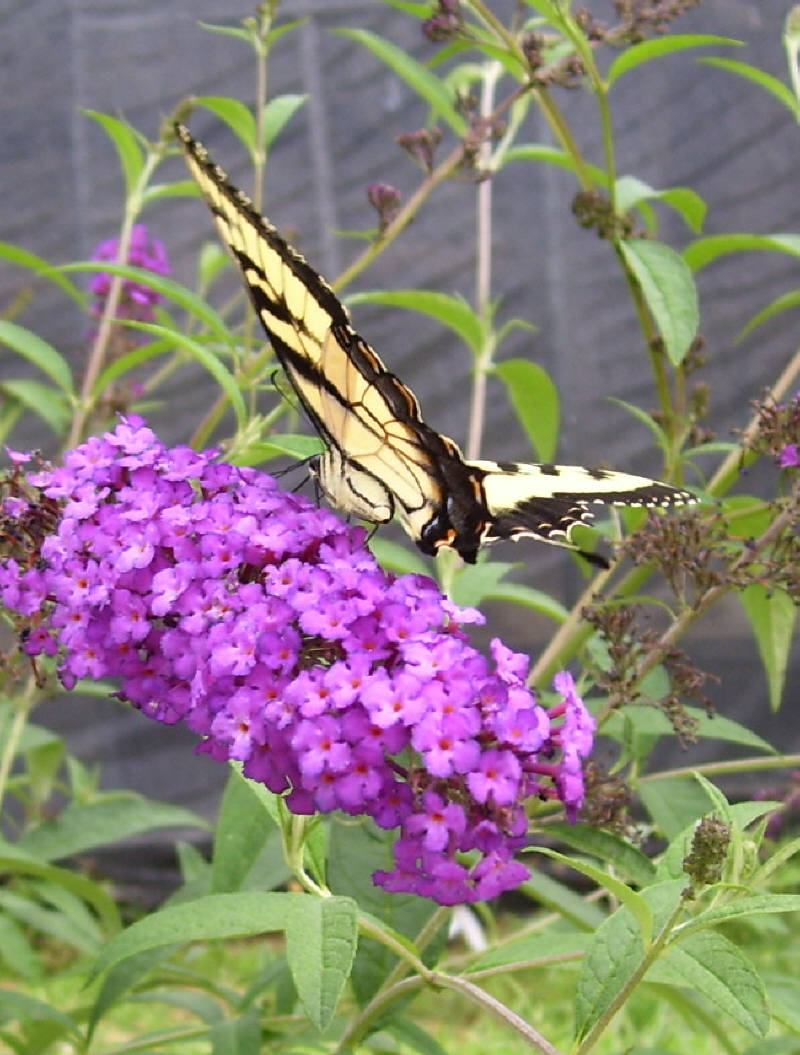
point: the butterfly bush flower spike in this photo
(265, 625)
(137, 300)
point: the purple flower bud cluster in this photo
(266, 626)
(137, 301)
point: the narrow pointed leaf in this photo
(126, 143)
(235, 115)
(785, 302)
(45, 402)
(169, 288)
(535, 400)
(39, 352)
(277, 114)
(416, 76)
(636, 904)
(656, 49)
(452, 311)
(764, 80)
(41, 269)
(203, 919)
(706, 250)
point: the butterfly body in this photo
(381, 459)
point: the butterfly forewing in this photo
(381, 458)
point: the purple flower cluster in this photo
(265, 625)
(789, 457)
(137, 301)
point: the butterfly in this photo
(380, 458)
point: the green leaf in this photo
(708, 963)
(171, 290)
(407, 1034)
(764, 80)
(560, 898)
(39, 352)
(398, 558)
(321, 941)
(472, 582)
(631, 192)
(235, 115)
(552, 156)
(41, 269)
(207, 358)
(415, 8)
(650, 721)
(114, 817)
(295, 445)
(756, 905)
(454, 312)
(636, 904)
(204, 919)
(669, 290)
(655, 49)
(528, 597)
(228, 31)
(706, 250)
(416, 76)
(555, 946)
(626, 858)
(184, 188)
(772, 615)
(277, 114)
(130, 361)
(242, 829)
(41, 400)
(240, 1035)
(674, 803)
(785, 302)
(127, 144)
(535, 400)
(614, 956)
(53, 923)
(17, 953)
(646, 419)
(21, 1008)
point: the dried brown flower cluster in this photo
(630, 646)
(638, 20)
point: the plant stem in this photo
(649, 958)
(728, 471)
(24, 704)
(483, 273)
(100, 344)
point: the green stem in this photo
(99, 350)
(24, 706)
(718, 769)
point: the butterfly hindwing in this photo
(548, 501)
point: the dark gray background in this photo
(677, 123)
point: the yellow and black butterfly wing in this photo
(548, 501)
(378, 458)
